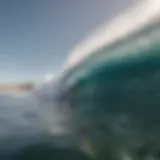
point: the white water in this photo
(134, 18)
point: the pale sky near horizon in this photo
(37, 35)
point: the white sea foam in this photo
(134, 18)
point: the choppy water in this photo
(23, 133)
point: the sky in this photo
(37, 35)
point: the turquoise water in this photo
(144, 42)
(115, 97)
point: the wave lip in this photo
(131, 20)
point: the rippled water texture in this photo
(23, 133)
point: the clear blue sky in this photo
(36, 35)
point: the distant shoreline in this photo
(16, 87)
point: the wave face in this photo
(113, 94)
(115, 97)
